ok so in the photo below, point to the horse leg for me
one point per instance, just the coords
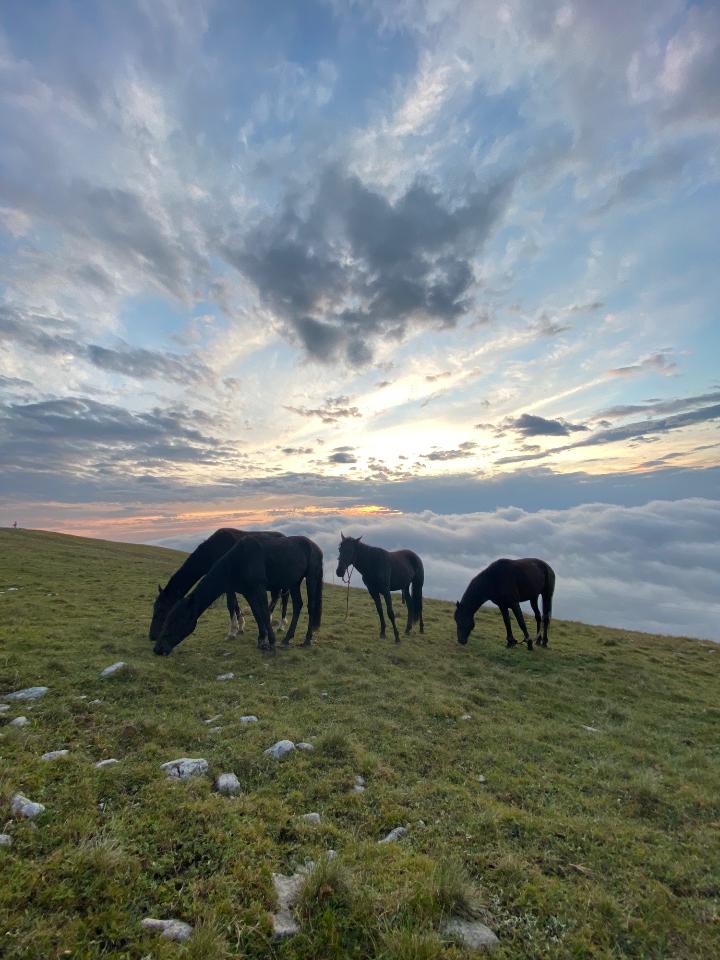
(521, 621)
(378, 607)
(297, 604)
(536, 611)
(408, 603)
(547, 613)
(510, 640)
(391, 615)
(259, 606)
(283, 607)
(233, 608)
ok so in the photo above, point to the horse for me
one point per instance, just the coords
(197, 565)
(253, 566)
(507, 583)
(383, 571)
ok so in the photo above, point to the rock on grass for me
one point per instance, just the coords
(5, 840)
(24, 808)
(303, 745)
(288, 890)
(471, 934)
(280, 749)
(29, 693)
(19, 722)
(313, 818)
(227, 784)
(106, 763)
(114, 668)
(171, 929)
(185, 767)
(394, 835)
(54, 754)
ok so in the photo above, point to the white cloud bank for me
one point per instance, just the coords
(654, 567)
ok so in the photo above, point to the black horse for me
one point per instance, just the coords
(253, 566)
(507, 583)
(197, 565)
(383, 571)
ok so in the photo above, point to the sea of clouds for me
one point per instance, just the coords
(654, 567)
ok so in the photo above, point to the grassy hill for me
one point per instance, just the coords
(579, 843)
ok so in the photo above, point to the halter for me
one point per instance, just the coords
(349, 570)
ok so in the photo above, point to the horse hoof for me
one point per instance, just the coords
(306, 643)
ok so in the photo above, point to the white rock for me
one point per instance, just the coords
(19, 722)
(93, 703)
(466, 716)
(304, 746)
(313, 818)
(394, 835)
(22, 807)
(113, 668)
(249, 719)
(482, 778)
(12, 589)
(331, 854)
(280, 749)
(5, 840)
(324, 694)
(4, 707)
(185, 767)
(591, 729)
(225, 676)
(215, 729)
(54, 754)
(228, 784)
(171, 929)
(359, 785)
(471, 934)
(288, 890)
(106, 763)
(29, 693)
(213, 719)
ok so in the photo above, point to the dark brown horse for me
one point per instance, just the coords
(197, 565)
(507, 583)
(383, 571)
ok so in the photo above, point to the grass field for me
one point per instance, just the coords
(580, 843)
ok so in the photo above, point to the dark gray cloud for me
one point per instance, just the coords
(295, 451)
(352, 266)
(530, 425)
(673, 405)
(332, 410)
(658, 363)
(342, 457)
(31, 332)
(464, 450)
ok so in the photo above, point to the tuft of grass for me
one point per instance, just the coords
(328, 884)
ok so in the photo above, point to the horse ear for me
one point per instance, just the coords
(359, 538)
(342, 535)
(457, 604)
(159, 589)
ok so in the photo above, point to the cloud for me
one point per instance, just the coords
(605, 558)
(531, 426)
(342, 457)
(465, 449)
(332, 410)
(657, 363)
(660, 406)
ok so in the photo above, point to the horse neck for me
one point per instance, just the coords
(475, 596)
(210, 587)
(188, 573)
(362, 558)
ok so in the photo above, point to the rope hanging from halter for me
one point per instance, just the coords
(349, 571)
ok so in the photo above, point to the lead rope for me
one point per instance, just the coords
(349, 572)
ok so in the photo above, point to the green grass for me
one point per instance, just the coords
(579, 844)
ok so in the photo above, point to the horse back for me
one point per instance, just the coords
(405, 566)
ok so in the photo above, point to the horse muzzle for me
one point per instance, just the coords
(160, 650)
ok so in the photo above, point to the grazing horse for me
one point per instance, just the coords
(197, 565)
(383, 571)
(507, 583)
(254, 565)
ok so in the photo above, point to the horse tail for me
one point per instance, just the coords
(314, 578)
(416, 593)
(549, 590)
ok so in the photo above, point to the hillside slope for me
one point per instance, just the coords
(594, 833)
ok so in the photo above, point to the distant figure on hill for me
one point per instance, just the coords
(14, 524)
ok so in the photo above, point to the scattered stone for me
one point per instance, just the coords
(331, 854)
(111, 761)
(19, 722)
(225, 676)
(4, 707)
(22, 807)
(29, 693)
(12, 589)
(184, 768)
(171, 929)
(54, 754)
(113, 668)
(227, 784)
(394, 835)
(313, 818)
(324, 694)
(215, 729)
(213, 719)
(466, 716)
(471, 934)
(359, 785)
(280, 749)
(83, 697)
(249, 719)
(284, 698)
(591, 729)
(93, 703)
(288, 891)
(5, 840)
(304, 746)
(420, 823)
(482, 778)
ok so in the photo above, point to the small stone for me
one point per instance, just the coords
(359, 785)
(284, 698)
(331, 854)
(22, 807)
(111, 761)
(19, 722)
(288, 890)
(54, 754)
(184, 768)
(466, 716)
(213, 719)
(482, 778)
(215, 729)
(394, 835)
(324, 694)
(591, 729)
(313, 818)
(113, 668)
(5, 840)
(304, 746)
(29, 693)
(280, 749)
(171, 929)
(249, 719)
(471, 934)
(227, 784)
(4, 707)
(420, 823)
(225, 676)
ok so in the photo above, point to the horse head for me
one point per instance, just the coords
(346, 553)
(161, 608)
(179, 623)
(465, 623)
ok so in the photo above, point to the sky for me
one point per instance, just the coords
(442, 273)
